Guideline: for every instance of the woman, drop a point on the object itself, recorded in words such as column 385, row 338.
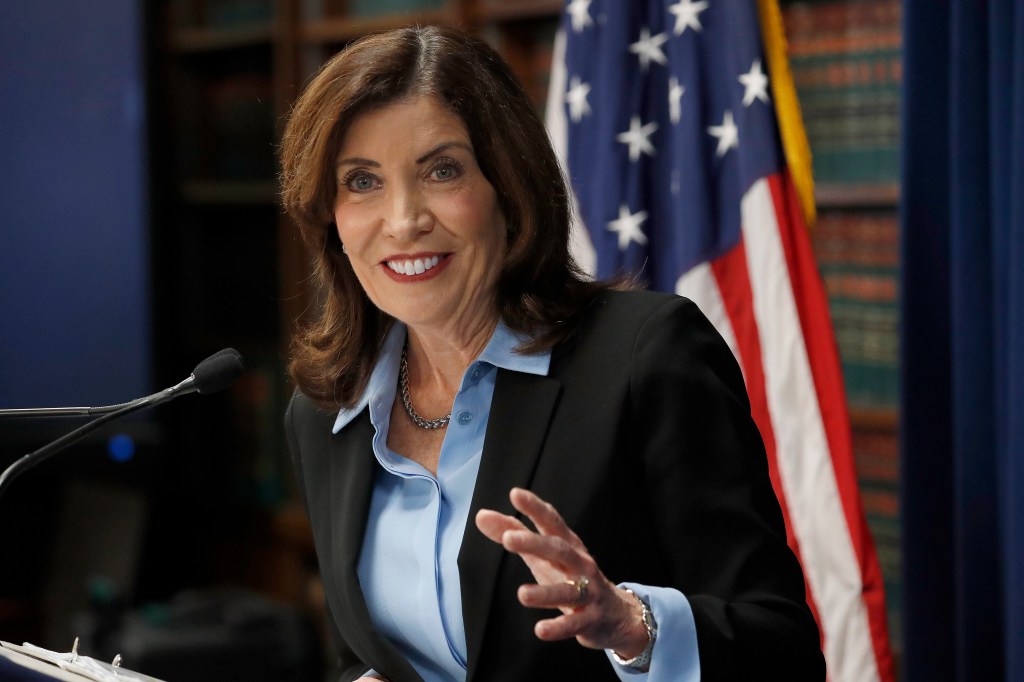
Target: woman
column 462, row 371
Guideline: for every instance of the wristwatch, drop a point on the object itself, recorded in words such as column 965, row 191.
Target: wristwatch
column 642, row 660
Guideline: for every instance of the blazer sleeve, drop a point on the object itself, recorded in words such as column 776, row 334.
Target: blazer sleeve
column 299, row 421
column 712, row 504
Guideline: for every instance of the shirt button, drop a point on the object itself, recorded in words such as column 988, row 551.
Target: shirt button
column 476, row 373
column 464, row 417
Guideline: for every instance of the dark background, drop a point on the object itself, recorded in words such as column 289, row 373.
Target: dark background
column 107, row 293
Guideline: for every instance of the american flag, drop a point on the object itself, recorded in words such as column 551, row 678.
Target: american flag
column 666, row 121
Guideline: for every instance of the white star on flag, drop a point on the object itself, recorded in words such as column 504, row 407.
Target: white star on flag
column 579, row 10
column 755, row 84
column 627, row 225
column 687, row 12
column 637, row 138
column 648, row 48
column 675, row 95
column 728, row 134
column 576, row 98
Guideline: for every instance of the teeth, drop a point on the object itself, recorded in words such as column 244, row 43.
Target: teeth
column 414, row 267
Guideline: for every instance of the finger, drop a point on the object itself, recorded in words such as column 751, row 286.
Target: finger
column 562, row 595
column 552, row 549
column 543, row 514
column 566, row 626
column 591, row 628
column 494, row 524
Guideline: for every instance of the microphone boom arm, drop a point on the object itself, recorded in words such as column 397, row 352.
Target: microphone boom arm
column 179, row 389
column 213, row 374
column 33, row 458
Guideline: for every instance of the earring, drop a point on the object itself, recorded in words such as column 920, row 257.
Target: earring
column 344, row 249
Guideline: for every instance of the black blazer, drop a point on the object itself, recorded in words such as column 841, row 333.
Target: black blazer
column 641, row 437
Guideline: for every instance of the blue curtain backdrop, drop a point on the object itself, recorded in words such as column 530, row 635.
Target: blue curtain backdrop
column 962, row 307
column 74, row 211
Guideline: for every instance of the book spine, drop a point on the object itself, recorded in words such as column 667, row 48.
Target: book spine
column 373, row 8
column 847, row 66
column 232, row 13
column 858, row 256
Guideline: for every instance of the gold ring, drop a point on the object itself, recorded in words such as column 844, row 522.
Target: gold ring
column 581, row 587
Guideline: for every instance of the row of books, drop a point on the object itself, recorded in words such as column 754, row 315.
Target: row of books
column 227, row 14
column 361, row 9
column 877, row 459
column 858, row 254
column 847, row 67
column 219, row 13
column 369, row 8
column 226, row 120
column 235, row 13
column 822, row 19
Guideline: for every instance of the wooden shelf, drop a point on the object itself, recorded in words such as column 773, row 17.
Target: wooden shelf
column 213, row 39
column 344, row 29
column 866, row 195
column 229, row 192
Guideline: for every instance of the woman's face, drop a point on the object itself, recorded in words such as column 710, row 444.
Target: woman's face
column 420, row 222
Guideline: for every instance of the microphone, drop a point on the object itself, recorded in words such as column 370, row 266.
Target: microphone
column 217, row 372
column 213, row 374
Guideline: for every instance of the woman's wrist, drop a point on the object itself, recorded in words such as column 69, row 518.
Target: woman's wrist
column 636, row 653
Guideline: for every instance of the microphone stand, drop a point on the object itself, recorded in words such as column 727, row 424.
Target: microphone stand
column 26, row 412
column 213, row 374
column 33, row 458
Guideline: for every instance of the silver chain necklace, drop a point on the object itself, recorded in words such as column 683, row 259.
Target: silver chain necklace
column 403, row 387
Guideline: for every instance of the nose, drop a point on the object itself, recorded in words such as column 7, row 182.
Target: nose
column 409, row 216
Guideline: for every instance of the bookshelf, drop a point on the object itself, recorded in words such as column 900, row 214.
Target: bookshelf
column 847, row 66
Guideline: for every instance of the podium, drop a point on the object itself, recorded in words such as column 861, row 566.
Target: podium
column 199, row 636
column 27, row 663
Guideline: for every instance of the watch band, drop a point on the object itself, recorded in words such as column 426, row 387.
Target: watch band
column 642, row 660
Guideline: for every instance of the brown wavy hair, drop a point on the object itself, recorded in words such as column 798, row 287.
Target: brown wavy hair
column 540, row 289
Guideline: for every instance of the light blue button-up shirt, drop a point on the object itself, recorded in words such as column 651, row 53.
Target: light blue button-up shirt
column 408, row 567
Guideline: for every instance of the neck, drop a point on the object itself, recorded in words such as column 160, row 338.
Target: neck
column 437, row 362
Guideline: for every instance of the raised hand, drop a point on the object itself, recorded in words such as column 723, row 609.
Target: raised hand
column 594, row 611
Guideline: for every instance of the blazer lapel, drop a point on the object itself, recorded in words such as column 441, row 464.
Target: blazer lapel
column 352, row 469
column 520, row 414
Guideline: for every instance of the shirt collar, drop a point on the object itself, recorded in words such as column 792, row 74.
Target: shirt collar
column 500, row 352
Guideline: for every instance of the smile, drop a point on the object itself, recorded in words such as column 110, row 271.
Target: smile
column 414, row 269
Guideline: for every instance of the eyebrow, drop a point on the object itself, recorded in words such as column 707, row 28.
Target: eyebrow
column 441, row 147
column 359, row 161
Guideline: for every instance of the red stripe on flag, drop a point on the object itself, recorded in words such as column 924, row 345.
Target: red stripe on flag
column 733, row 280
column 823, row 357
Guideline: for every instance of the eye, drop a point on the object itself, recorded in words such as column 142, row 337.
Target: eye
column 445, row 169
column 360, row 181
